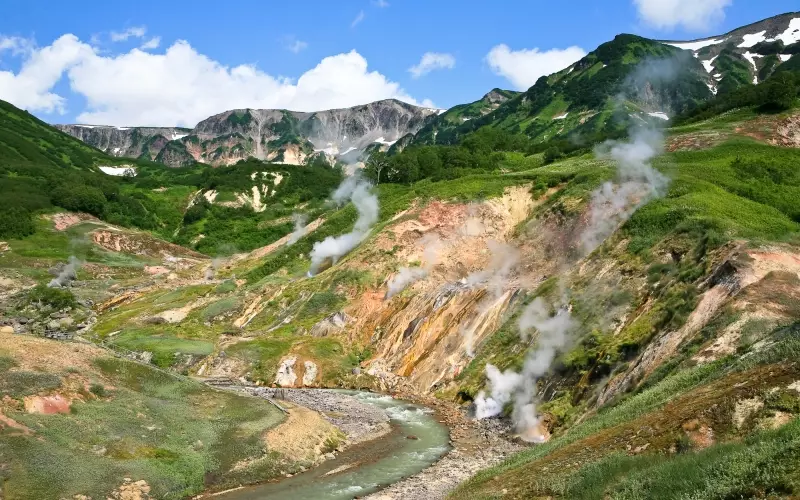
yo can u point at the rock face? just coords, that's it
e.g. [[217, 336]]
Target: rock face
[[280, 136]]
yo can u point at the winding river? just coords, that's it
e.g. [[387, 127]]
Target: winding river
[[365, 467]]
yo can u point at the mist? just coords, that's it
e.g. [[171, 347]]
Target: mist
[[406, 276], [636, 183], [360, 193], [67, 275], [300, 228]]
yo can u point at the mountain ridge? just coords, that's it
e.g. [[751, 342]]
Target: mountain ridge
[[278, 135]]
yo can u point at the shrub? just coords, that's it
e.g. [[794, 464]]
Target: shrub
[[16, 223], [56, 298]]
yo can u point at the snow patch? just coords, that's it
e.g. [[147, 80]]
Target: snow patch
[[176, 137], [561, 117], [792, 33], [752, 58], [659, 114], [351, 148], [785, 57], [123, 171], [381, 140], [696, 45], [87, 126], [712, 88], [751, 40], [116, 151], [441, 111], [709, 65]]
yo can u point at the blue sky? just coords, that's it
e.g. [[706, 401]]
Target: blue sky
[[278, 45]]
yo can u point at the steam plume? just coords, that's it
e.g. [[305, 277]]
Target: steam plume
[[407, 275], [637, 183], [300, 228], [67, 275], [366, 203], [611, 205], [495, 277]]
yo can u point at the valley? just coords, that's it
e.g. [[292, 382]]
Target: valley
[[589, 289]]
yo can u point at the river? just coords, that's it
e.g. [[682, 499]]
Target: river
[[365, 467]]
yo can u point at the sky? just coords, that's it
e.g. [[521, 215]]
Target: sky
[[175, 63]]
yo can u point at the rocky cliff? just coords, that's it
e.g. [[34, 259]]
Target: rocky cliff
[[276, 135]]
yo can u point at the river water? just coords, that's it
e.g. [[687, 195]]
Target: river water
[[365, 467]]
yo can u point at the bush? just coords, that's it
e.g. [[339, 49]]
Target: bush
[[16, 223], [55, 298], [79, 198], [551, 154]]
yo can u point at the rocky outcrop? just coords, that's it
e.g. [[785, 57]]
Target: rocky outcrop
[[280, 136], [131, 142]]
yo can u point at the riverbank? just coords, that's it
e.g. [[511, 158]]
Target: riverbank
[[476, 445], [371, 459], [359, 421]]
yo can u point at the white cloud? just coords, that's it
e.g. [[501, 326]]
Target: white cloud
[[295, 46], [16, 45], [153, 43], [523, 67], [432, 61], [31, 86], [381, 3], [135, 32], [181, 86], [358, 19], [696, 15]]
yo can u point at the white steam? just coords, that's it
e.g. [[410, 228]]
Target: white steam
[[502, 386], [67, 275], [300, 228], [406, 276], [495, 277], [612, 204], [637, 183], [366, 203]]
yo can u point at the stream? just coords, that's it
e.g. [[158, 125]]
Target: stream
[[369, 466]]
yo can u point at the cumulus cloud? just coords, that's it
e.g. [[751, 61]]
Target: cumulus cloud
[[523, 67], [696, 15], [432, 61], [134, 32], [358, 19], [181, 86], [16, 45], [153, 43], [30, 88]]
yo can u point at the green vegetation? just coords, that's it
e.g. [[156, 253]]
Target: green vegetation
[[54, 298], [175, 434]]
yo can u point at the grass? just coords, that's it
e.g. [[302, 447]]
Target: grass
[[177, 435]]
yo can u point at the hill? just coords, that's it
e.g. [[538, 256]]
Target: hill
[[609, 89], [627, 312], [279, 136]]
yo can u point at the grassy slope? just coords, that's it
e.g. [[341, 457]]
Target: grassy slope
[[587, 91], [740, 189], [177, 435]]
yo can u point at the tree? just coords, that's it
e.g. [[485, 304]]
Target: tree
[[551, 155], [376, 164], [16, 222]]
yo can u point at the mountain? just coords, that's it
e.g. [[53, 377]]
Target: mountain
[[609, 87], [278, 136], [619, 325]]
